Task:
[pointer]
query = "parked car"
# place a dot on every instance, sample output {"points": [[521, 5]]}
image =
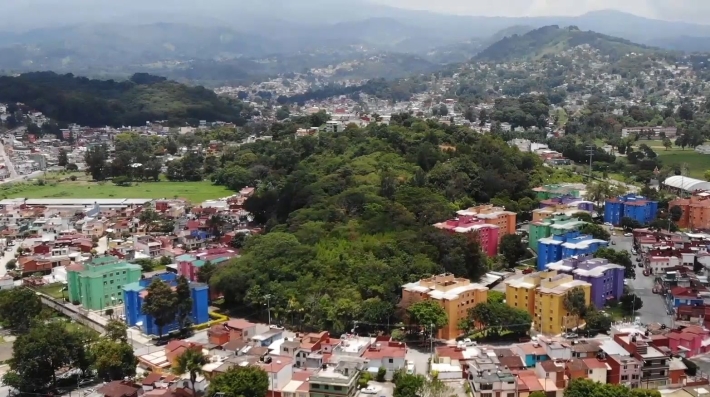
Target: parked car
{"points": [[571, 335], [628, 234], [370, 390]]}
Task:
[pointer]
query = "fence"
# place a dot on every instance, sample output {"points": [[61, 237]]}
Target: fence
{"points": [[71, 312]]}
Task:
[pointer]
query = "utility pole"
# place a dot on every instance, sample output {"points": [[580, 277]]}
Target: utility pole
{"points": [[590, 152], [431, 342], [268, 305]]}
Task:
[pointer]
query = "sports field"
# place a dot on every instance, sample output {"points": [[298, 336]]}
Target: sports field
{"points": [[60, 186], [697, 163]]}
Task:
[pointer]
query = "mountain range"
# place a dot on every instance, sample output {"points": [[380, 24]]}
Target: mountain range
{"points": [[240, 39]]}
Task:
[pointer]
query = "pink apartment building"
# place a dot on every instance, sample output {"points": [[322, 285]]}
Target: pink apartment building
{"points": [[488, 235]]}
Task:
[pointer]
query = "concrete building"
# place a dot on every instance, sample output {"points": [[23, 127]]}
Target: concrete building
{"points": [[696, 210], [654, 363], [339, 380], [497, 382], [455, 295], [520, 292], [606, 279], [557, 190], [497, 216], [387, 354], [624, 370], [550, 315], [488, 235], [99, 283], [631, 206], [552, 226], [562, 246], [135, 293]]}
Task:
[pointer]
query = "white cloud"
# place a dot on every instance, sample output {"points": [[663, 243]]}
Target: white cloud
{"points": [[685, 10]]}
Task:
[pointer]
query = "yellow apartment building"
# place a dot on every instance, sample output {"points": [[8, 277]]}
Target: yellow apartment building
{"points": [[455, 295], [550, 314], [520, 292], [542, 295]]}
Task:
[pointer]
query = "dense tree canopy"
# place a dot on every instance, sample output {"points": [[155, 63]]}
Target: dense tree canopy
{"points": [[348, 216]]}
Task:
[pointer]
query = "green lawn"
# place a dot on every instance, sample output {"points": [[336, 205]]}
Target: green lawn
{"points": [[195, 192], [53, 290], [697, 163]]}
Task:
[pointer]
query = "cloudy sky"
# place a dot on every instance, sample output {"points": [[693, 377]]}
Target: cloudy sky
{"points": [[684, 10]]}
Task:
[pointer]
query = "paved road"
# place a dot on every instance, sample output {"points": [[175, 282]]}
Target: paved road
{"points": [[654, 308], [8, 163]]}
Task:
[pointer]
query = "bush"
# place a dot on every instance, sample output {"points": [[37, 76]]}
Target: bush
{"points": [[381, 374], [72, 178]]}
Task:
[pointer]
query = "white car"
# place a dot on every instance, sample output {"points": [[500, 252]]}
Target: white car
{"points": [[370, 390], [628, 234]]}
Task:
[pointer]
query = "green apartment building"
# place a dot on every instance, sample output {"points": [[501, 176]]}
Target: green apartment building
{"points": [[99, 283], [553, 226], [557, 190], [335, 380]]}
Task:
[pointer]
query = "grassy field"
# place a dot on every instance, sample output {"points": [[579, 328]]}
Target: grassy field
{"points": [[53, 290], [697, 163], [59, 186]]}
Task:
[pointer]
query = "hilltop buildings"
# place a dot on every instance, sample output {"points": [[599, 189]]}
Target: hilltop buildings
{"points": [[455, 295], [489, 222], [631, 206]]}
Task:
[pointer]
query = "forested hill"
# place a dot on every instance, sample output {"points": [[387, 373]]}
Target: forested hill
{"points": [[348, 216], [70, 99], [552, 40]]}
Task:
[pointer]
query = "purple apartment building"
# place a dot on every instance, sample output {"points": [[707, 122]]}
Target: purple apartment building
{"points": [[607, 279]]}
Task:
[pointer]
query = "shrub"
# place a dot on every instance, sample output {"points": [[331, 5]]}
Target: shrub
{"points": [[381, 374]]}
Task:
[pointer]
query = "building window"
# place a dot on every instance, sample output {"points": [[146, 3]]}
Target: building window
{"points": [[391, 360], [624, 377], [338, 387]]}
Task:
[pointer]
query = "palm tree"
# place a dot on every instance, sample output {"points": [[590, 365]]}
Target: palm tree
{"points": [[191, 361]]}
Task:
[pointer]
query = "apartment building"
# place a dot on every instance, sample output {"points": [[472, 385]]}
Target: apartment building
{"points": [[654, 363], [492, 215], [606, 279], [557, 190], [631, 206], [520, 292], [696, 210], [99, 283], [488, 235], [455, 295], [552, 226], [562, 246], [550, 315], [624, 370]]}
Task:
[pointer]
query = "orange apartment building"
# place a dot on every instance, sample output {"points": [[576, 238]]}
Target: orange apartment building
{"points": [[498, 216], [696, 210], [455, 295]]}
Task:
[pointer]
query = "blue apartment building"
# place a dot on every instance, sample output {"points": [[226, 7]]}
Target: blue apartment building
{"points": [[567, 245], [630, 206], [134, 293]]}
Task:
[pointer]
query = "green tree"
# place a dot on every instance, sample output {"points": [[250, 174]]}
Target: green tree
{"points": [[408, 385], [113, 360], [428, 313], [667, 143], [160, 303], [206, 271], [630, 303], [148, 217], [676, 213], [621, 258], [583, 216], [512, 248], [184, 302], [18, 308], [190, 362], [575, 303], [95, 159], [62, 158], [249, 381], [116, 330], [595, 231], [596, 321], [11, 264], [38, 354]]}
